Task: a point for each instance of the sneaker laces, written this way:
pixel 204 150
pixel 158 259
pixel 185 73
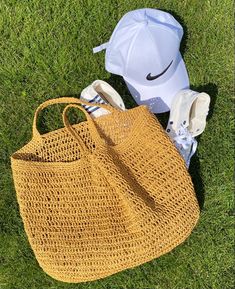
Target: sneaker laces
pixel 185 139
pixel 186 144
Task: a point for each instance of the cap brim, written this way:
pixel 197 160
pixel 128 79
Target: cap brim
pixel 159 98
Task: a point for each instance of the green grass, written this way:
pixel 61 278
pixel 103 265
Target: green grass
pixel 46 51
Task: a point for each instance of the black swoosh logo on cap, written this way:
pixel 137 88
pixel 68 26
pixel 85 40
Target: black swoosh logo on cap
pixel 150 77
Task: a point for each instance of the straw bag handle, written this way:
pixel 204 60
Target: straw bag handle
pixel 95 134
pixel 70 100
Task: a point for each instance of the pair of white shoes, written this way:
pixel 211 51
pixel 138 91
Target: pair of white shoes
pixel 187 116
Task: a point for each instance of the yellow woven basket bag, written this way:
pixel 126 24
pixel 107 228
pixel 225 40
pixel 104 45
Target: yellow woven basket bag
pixel 103 195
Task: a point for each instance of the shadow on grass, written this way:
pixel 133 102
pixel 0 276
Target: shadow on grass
pixel 210 89
pixel 183 44
pixel 194 168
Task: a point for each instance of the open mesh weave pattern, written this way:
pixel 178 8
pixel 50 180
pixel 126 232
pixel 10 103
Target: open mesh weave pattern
pixel 102 196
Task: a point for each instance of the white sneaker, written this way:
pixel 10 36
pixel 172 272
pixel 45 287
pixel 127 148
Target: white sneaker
pixel 187 120
pixel 101 92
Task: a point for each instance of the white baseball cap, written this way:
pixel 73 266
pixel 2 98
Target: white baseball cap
pixel 144 49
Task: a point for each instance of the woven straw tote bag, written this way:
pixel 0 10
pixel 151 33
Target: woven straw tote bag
pixel 103 195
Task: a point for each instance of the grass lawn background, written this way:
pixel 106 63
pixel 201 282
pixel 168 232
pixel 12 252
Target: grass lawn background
pixel 45 52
